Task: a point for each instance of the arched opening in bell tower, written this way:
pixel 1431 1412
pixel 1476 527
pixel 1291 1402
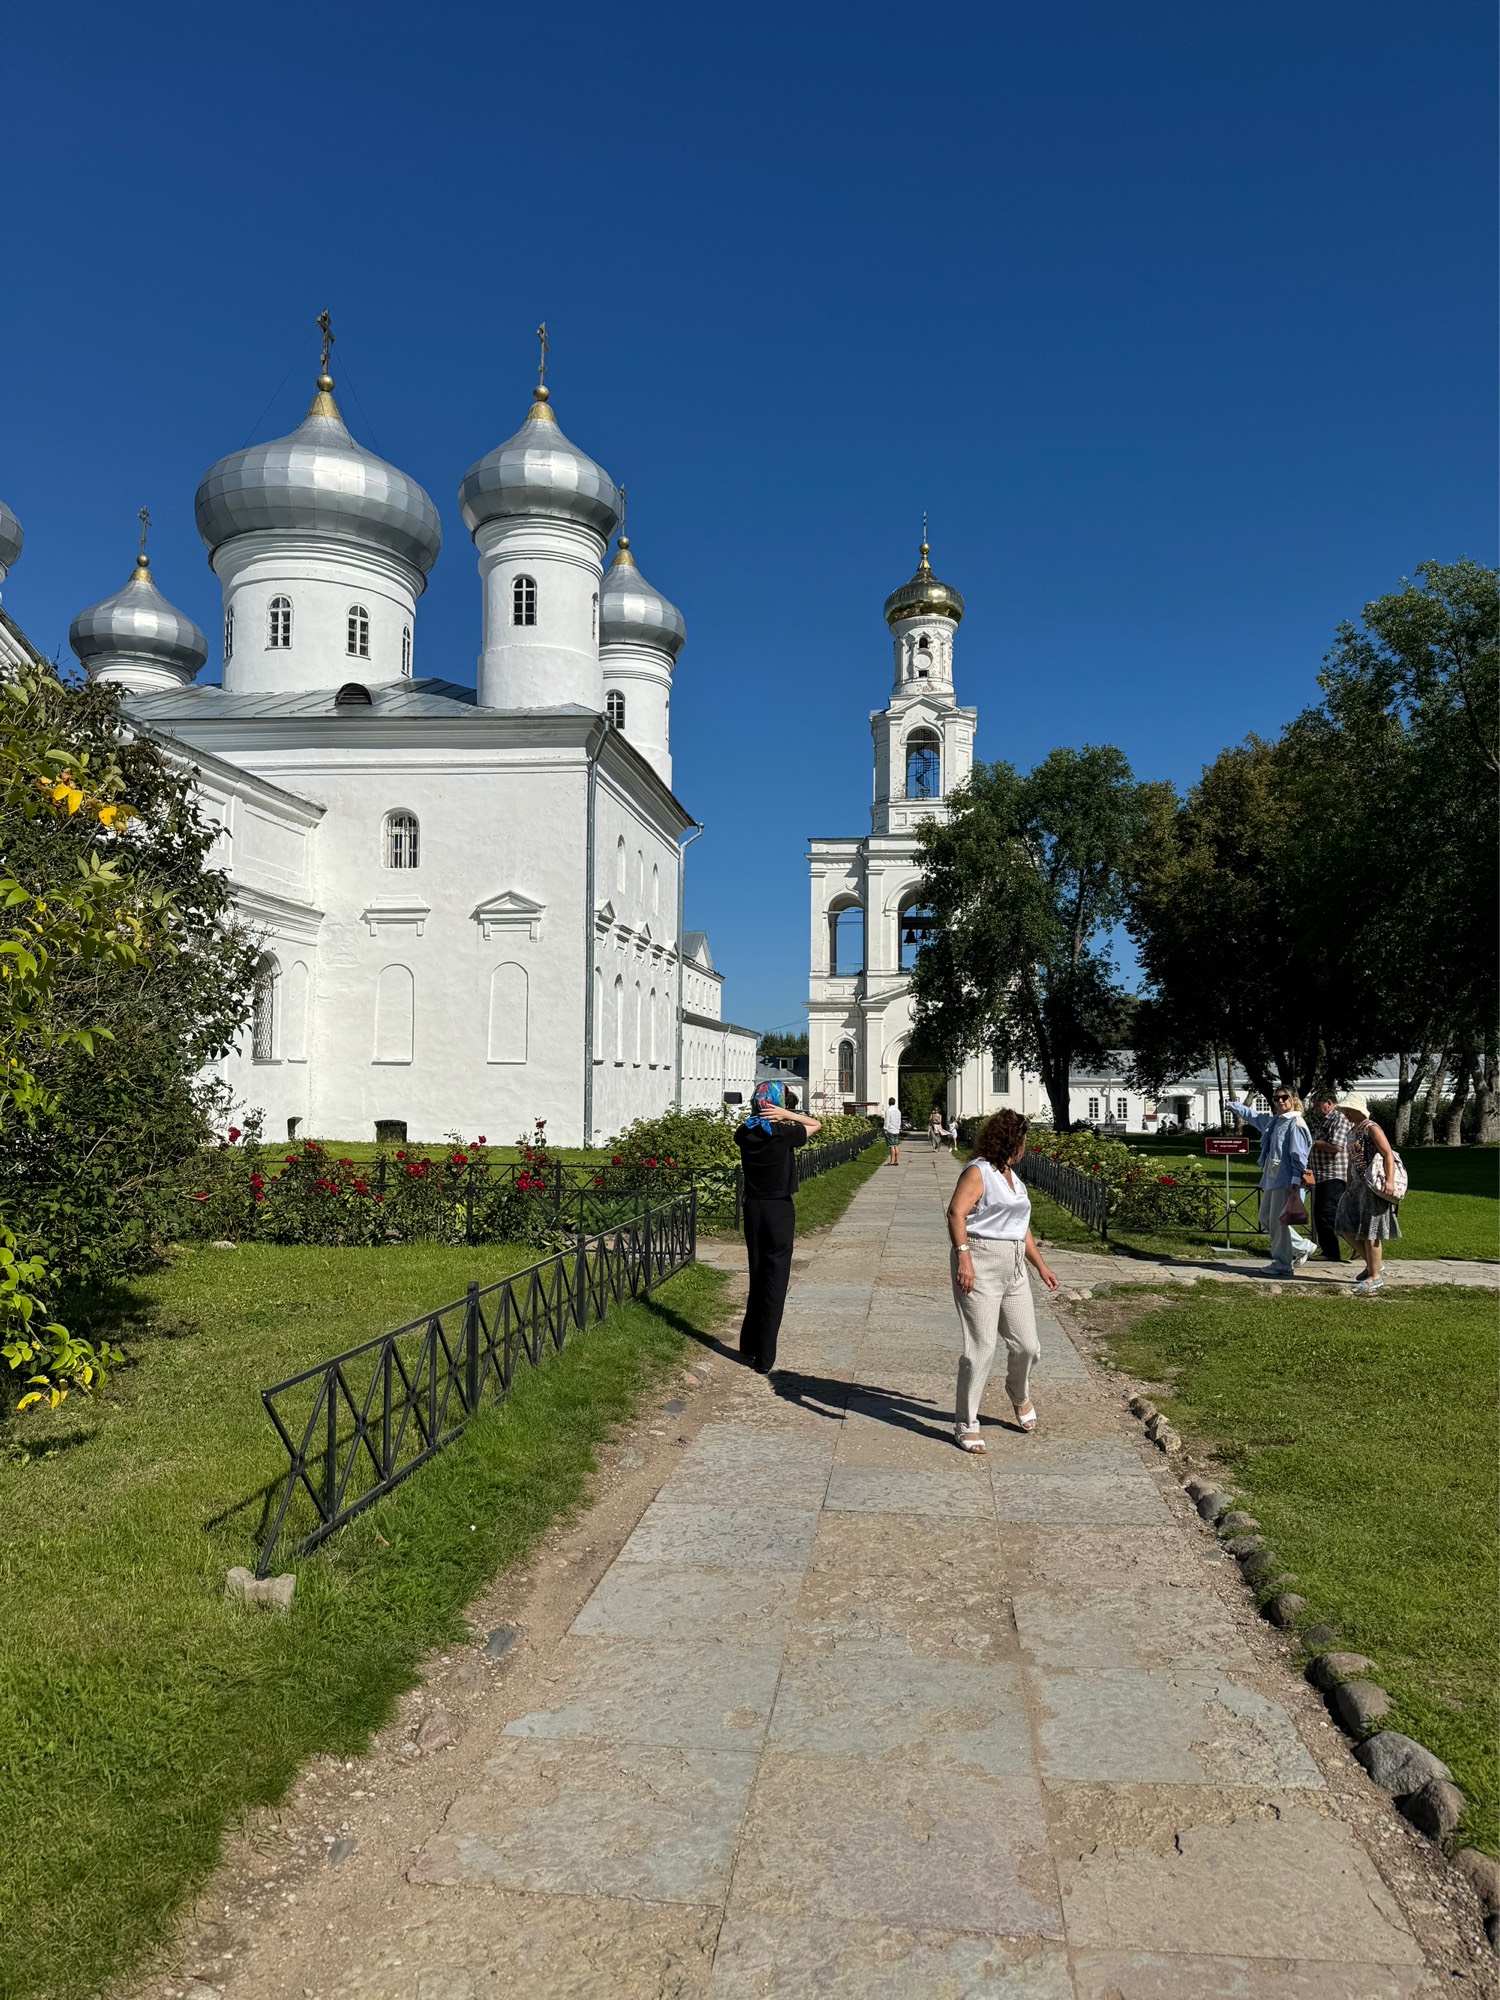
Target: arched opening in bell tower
pixel 846 940
pixel 924 764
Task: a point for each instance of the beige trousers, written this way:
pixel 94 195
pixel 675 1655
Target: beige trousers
pixel 998 1308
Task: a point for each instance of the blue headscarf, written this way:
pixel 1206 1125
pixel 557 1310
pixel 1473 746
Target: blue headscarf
pixel 765 1093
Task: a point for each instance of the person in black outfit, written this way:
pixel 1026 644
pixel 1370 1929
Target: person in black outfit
pixel 768 1141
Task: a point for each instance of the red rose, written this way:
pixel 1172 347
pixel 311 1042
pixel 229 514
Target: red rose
pixel 541 1124
pixel 482 1141
pixel 458 1159
pixel 380 1197
pixel 1165 1180
pixel 260 1194
pixel 650 1163
pixel 598 1181
pixel 401 1154
pixel 200 1197
pixel 617 1161
pixel 291 1159
pixel 234 1133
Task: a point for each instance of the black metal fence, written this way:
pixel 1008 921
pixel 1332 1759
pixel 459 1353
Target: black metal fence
pixel 359 1423
pixel 812 1161
pixel 1083 1195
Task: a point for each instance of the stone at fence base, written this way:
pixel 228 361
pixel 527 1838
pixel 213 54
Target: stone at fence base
pixel 1482 1873
pixel 1284 1608
pixel 1244 1545
pixel 1435 1810
pixel 271 1593
pixel 1168 1440
pixel 1260 1563
pixel 1238 1522
pixel 1326 1670
pixel 1198 1489
pixel 1397 1764
pixel 500 1641
pixel 1317 1638
pixel 437 1731
pixel 1145 1409
pixel 1358 1705
pixel 1214 1506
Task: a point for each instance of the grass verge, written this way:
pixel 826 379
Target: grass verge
pixel 139 1714
pixel 1363 1435
pixel 822 1200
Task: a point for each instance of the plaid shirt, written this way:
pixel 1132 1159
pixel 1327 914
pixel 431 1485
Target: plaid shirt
pixel 1338 1132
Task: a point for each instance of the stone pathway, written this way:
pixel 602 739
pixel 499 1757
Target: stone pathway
pixel 1080 1268
pixel 851 1714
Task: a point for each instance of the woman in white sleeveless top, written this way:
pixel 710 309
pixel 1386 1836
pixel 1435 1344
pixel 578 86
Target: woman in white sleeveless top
pixel 989 1226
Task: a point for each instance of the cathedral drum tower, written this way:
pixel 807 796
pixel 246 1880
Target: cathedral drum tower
pixel 868 921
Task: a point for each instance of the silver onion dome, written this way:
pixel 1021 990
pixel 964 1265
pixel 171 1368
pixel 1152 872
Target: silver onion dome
pixel 319 480
pixel 539 472
pixel 631 611
pixel 137 624
pixel 11 539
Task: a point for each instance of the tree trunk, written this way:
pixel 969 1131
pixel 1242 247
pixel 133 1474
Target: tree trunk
pixel 1427 1128
pixel 1058 1079
pixel 1487 1100
pixel 1453 1134
pixel 1408 1083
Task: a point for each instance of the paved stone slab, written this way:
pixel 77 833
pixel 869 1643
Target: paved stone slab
pixel 844 1838
pixel 868 1489
pixel 924 1547
pixel 889 1706
pixel 1295 1887
pixel 730 1447
pixel 1098 1557
pixel 586 1819
pixel 1147 1975
pixel 781 1958
pixel 1143 1628
pixel 1165 1728
pixel 913 1445
pixel 833 1296
pixel 663 1602
pixel 718 1538
pixel 1046 1456
pixel 698 1694
pixel 799 1486
pixel 931 1614
pixel 1115 1501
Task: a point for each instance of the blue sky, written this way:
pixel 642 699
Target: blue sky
pixel 1178 320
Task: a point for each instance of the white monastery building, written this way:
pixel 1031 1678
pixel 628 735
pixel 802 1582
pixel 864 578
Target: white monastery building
pixel 868 922
pixel 470 897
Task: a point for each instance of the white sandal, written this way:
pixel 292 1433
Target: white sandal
pixel 1026 1423
pixel 969 1440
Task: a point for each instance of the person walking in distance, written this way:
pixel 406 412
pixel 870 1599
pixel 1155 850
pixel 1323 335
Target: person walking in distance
pixel 1328 1170
pixel 1284 1143
pixel 1367 1214
pixel 892 1123
pixel 935 1127
pixel 768 1140
pixel 989 1227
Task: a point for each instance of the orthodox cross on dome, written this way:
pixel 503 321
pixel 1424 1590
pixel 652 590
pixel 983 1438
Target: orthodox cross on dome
pixel 541 334
pixel 145 520
pixel 925 549
pixel 325 327
pixel 622 510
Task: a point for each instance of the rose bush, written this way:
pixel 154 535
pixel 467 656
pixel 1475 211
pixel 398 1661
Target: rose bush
pixel 1143 1194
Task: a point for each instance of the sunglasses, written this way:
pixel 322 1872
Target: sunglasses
pixel 1282 1097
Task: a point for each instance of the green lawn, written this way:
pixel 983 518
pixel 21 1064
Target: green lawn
pixel 1451 1210
pixel 1363 1434
pixel 822 1201
pixel 138 1712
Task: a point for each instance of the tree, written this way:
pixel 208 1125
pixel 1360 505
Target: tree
pixel 125 976
pixel 1026 880
pixel 776 1045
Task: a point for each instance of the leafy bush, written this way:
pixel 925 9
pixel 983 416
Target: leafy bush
pixel 650 1155
pixel 1141 1196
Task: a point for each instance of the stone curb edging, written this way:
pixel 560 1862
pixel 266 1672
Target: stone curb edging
pixel 1420 1784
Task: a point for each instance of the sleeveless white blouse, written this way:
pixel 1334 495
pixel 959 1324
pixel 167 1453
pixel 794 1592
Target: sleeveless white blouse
pixel 1003 1214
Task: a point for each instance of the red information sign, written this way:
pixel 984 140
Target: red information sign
pixel 1225 1148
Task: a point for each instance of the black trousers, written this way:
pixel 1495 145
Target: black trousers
pixel 769 1229
pixel 1325 1206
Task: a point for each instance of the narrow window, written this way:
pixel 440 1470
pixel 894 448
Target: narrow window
pixel 263 1011
pixel 594 618
pixel 637 1058
pixel 620 864
pixel 846 1069
pixel 999 1074
pixel 228 635
pixel 924 765
pixel 406 651
pixel 655 890
pixel 916 926
pixel 508 1014
pixel 651 1031
pixel 847 941
pixel 614 709
pixel 1093 1108
pixel 640 874
pixel 598 1013
pixel 1120 1109
pixel 279 624
pixel 523 601
pixel 619 1020
pixel 359 632
pixel 401 837
pixel 395 1015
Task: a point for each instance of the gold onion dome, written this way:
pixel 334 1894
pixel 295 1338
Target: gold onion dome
pixel 923 597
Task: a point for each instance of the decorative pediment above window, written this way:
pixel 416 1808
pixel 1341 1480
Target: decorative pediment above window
pixel 509 912
pixel 604 916
pixel 383 914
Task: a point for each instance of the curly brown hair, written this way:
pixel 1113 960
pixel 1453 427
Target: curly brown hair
pixel 1000 1138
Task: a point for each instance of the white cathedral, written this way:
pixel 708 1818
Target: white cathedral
pixel 868 919
pixel 470 899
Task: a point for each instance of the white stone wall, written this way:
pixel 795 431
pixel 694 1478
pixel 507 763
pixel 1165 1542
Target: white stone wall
pixel 642 677
pixel 322 579
pixel 555 662
pixel 716 1059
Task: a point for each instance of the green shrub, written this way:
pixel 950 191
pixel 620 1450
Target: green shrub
pixel 1140 1196
pixel 650 1155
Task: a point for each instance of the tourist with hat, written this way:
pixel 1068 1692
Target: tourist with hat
pixel 1367 1218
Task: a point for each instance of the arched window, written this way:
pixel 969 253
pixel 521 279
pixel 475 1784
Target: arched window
pixel 508 1013
pixel 640 874
pixel 395 1015
pixel 406 651
pixel 598 1013
pixel 924 765
pixel 401 840
pixel 846 941
pixel 619 1019
pixel 637 1057
pixel 846 1069
pixel 279 624
pixel 620 864
pixel 594 618
pixel 651 1030
pixel 655 890
pixel 263 1010
pixel 359 632
pixel 523 601
pixel 917 927
pixel 228 635
pixel 614 709
pixel 924 658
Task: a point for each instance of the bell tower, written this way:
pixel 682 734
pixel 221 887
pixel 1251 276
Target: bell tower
pixel 924 741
